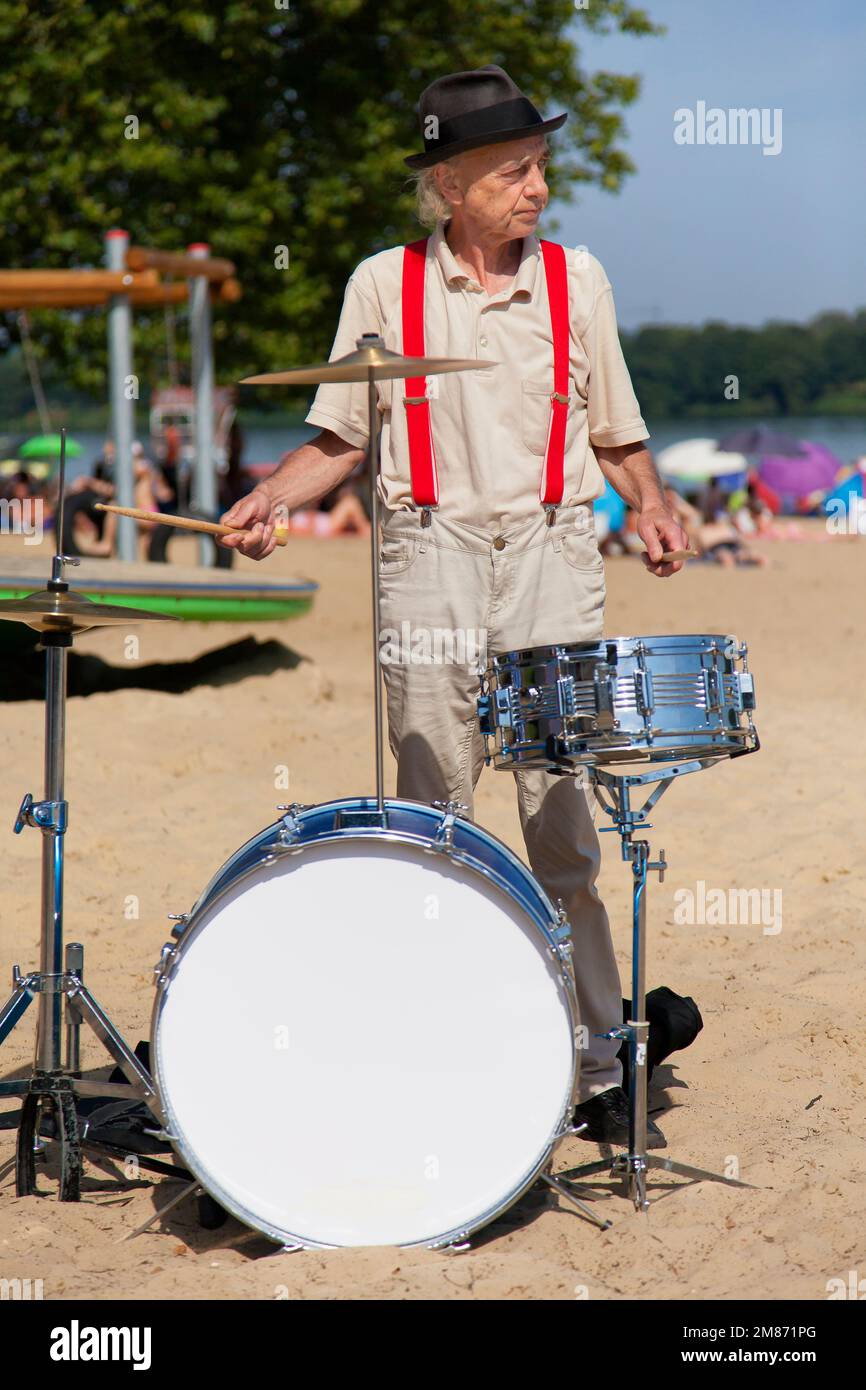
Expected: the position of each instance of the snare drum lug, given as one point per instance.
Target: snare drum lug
(484, 724)
(744, 687)
(504, 701)
(604, 690)
(713, 688)
(643, 690)
(565, 697)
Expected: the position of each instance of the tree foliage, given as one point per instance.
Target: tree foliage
(781, 368)
(260, 125)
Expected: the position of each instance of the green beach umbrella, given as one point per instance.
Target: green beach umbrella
(47, 446)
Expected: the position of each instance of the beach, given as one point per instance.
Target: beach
(163, 788)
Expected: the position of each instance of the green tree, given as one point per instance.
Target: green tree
(259, 126)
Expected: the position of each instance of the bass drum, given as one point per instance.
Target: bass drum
(366, 1031)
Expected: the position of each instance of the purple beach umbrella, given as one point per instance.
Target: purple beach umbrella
(794, 478)
(760, 439)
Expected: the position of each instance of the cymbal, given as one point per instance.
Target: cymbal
(50, 611)
(356, 366)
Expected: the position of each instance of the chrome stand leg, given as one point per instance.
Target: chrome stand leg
(185, 1192)
(74, 966)
(17, 1004)
(564, 1190)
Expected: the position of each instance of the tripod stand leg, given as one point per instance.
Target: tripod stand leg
(108, 1035)
(12, 1011)
(66, 1118)
(25, 1158)
(685, 1170)
(564, 1192)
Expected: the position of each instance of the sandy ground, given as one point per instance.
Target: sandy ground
(164, 787)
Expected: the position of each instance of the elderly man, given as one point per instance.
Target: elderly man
(488, 479)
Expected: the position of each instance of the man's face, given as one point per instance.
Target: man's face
(501, 188)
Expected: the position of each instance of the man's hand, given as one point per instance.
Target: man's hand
(255, 512)
(660, 531)
(629, 469)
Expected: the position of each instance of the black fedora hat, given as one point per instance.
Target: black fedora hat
(468, 109)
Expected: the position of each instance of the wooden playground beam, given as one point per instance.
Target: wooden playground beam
(140, 296)
(76, 281)
(178, 263)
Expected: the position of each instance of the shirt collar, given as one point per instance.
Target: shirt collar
(524, 280)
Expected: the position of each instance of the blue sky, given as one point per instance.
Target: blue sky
(725, 232)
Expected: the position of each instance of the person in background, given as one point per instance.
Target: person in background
(168, 466)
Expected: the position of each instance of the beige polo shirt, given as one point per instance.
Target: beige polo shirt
(489, 426)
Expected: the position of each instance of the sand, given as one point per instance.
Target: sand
(164, 787)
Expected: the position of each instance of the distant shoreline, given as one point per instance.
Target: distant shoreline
(96, 418)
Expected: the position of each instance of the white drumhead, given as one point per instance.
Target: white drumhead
(364, 1044)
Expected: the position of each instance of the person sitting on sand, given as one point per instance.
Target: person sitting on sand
(92, 533)
(716, 540)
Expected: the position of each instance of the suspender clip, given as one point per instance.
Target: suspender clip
(557, 396)
(550, 508)
(426, 516)
(415, 400)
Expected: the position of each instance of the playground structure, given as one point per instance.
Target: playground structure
(133, 279)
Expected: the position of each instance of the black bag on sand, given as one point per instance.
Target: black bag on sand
(674, 1023)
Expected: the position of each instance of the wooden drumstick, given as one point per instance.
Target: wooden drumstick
(187, 523)
(669, 555)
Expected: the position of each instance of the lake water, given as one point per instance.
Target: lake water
(844, 436)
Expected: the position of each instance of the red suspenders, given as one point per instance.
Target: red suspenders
(422, 456)
(422, 459)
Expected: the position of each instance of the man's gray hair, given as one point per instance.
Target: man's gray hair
(431, 206)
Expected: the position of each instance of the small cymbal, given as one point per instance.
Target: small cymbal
(356, 366)
(48, 611)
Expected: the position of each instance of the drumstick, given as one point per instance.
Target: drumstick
(187, 523)
(669, 555)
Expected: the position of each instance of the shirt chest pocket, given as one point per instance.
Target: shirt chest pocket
(535, 414)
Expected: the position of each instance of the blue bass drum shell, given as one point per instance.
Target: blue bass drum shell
(410, 820)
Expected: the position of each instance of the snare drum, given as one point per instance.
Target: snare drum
(365, 1032)
(624, 699)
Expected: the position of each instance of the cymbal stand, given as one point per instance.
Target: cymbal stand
(613, 792)
(373, 340)
(54, 1080)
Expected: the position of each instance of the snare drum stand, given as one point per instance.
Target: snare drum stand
(614, 794)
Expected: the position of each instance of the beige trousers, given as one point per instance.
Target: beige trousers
(446, 590)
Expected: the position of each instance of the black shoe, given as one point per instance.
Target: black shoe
(606, 1120)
